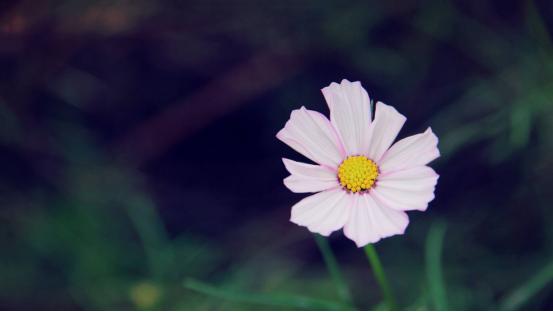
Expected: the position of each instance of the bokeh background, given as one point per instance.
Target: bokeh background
(139, 167)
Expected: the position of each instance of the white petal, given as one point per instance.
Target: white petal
(409, 189)
(306, 178)
(416, 150)
(350, 114)
(386, 125)
(323, 212)
(370, 220)
(311, 134)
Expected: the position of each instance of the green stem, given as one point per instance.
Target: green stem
(380, 276)
(434, 273)
(334, 270)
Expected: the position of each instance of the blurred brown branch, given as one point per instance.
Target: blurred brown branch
(221, 96)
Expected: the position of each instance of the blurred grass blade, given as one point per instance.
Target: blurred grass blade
(434, 272)
(286, 301)
(538, 29)
(334, 270)
(420, 304)
(380, 276)
(149, 227)
(520, 296)
(521, 125)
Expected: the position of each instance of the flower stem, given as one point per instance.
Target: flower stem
(380, 276)
(334, 270)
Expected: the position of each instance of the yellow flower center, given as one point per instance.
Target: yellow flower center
(357, 173)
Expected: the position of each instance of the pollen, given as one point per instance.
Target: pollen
(357, 173)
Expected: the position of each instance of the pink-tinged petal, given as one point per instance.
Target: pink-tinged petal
(324, 212)
(370, 220)
(409, 189)
(416, 150)
(311, 134)
(384, 129)
(306, 178)
(350, 114)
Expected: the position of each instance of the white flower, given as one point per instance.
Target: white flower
(362, 182)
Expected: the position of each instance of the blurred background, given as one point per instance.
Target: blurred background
(139, 167)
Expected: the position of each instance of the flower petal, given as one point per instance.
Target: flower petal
(416, 150)
(386, 125)
(323, 212)
(306, 178)
(311, 134)
(409, 189)
(370, 220)
(350, 114)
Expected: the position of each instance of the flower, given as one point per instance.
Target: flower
(363, 183)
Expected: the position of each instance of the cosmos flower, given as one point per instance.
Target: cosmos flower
(363, 183)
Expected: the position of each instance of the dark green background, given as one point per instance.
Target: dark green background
(139, 167)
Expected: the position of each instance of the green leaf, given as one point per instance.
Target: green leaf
(287, 301)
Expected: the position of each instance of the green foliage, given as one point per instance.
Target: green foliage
(84, 226)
